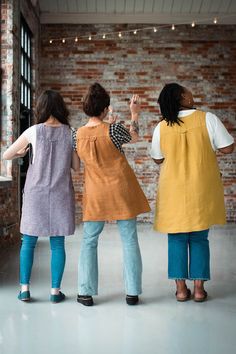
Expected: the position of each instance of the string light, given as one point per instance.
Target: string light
(121, 33)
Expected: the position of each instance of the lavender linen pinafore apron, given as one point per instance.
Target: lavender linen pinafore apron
(48, 198)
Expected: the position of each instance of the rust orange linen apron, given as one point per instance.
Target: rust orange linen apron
(111, 189)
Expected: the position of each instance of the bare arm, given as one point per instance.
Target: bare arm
(159, 161)
(227, 149)
(134, 127)
(17, 149)
(75, 162)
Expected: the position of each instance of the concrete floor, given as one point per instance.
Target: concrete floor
(157, 325)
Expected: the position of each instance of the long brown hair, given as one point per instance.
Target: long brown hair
(51, 103)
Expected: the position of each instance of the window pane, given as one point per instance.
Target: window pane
(26, 42)
(22, 64)
(22, 93)
(26, 69)
(25, 95)
(29, 47)
(22, 37)
(29, 72)
(29, 97)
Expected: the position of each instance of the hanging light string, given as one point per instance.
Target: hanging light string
(120, 34)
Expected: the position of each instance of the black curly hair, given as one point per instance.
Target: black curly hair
(170, 103)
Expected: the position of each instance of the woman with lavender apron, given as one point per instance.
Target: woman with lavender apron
(48, 197)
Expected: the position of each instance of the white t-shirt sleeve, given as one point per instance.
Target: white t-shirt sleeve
(218, 134)
(30, 135)
(156, 147)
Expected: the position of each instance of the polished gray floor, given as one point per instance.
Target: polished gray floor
(157, 325)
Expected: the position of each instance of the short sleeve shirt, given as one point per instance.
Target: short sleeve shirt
(218, 134)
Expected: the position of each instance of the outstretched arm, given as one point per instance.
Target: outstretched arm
(134, 126)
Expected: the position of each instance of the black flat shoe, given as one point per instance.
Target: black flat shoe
(132, 299)
(85, 300)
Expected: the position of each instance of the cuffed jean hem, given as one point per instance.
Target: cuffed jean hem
(174, 278)
(205, 279)
(134, 294)
(87, 293)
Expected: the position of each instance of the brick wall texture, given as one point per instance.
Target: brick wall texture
(10, 108)
(201, 58)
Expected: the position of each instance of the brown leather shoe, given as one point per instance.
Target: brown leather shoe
(186, 298)
(202, 298)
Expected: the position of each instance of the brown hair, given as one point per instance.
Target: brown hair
(96, 100)
(51, 103)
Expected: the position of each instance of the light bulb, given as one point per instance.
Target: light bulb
(90, 38)
(50, 41)
(154, 29)
(135, 31)
(104, 36)
(63, 41)
(173, 27)
(76, 39)
(120, 34)
(215, 20)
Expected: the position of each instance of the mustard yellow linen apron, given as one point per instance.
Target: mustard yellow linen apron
(190, 194)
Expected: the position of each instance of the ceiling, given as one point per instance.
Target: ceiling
(137, 11)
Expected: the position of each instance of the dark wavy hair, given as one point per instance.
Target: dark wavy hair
(51, 103)
(96, 100)
(170, 103)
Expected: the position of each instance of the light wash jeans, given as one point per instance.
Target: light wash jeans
(58, 257)
(88, 261)
(189, 255)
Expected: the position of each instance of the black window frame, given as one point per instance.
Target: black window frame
(26, 89)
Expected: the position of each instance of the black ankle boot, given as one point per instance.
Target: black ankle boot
(132, 299)
(85, 300)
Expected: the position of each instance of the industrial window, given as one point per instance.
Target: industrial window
(26, 67)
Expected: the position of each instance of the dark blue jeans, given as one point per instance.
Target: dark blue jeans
(189, 255)
(58, 257)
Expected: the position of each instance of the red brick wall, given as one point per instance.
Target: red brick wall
(10, 108)
(201, 58)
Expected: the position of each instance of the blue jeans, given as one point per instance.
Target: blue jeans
(58, 257)
(88, 261)
(195, 244)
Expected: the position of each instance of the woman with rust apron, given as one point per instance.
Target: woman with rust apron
(111, 192)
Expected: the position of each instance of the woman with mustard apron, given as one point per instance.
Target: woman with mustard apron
(111, 192)
(190, 196)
